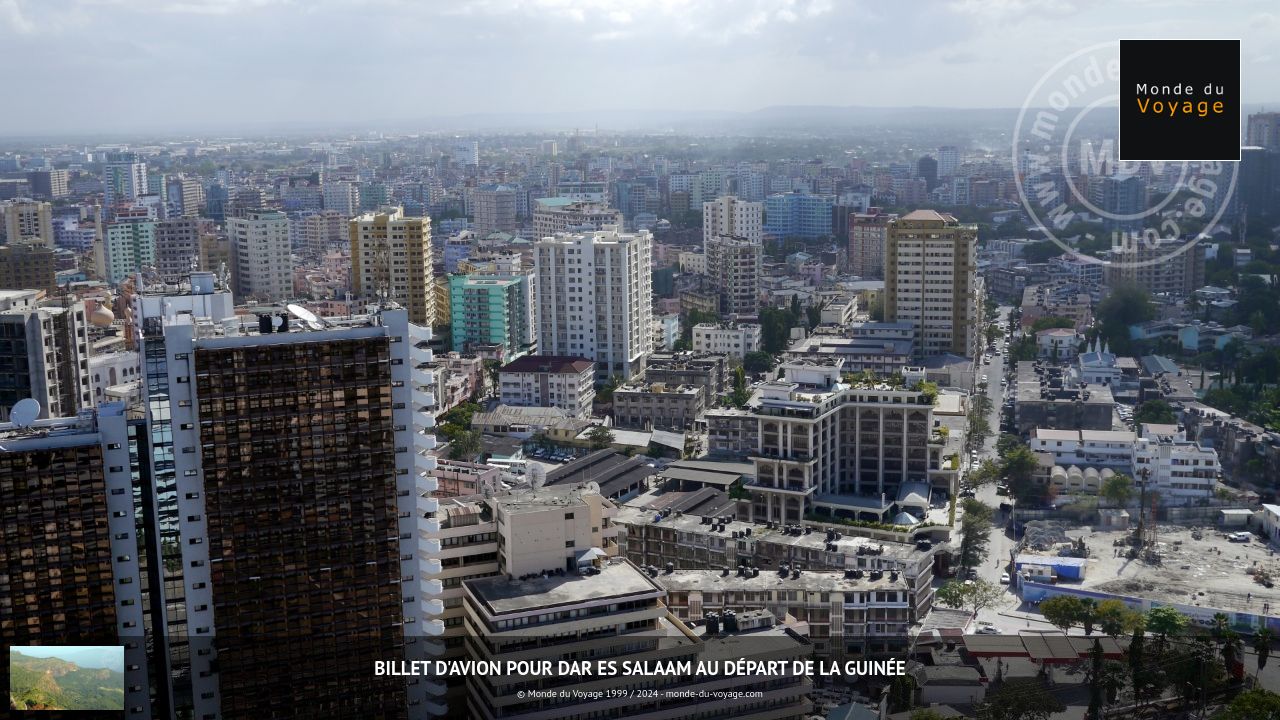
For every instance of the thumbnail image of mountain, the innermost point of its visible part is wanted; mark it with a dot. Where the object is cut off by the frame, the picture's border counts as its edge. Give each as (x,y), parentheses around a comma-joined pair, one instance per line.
(57,679)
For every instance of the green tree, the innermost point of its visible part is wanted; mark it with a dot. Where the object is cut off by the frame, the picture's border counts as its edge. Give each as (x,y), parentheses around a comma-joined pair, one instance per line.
(1127,304)
(757,362)
(1154,411)
(1097,693)
(1018,468)
(972,594)
(876,309)
(975,532)
(465,445)
(1166,622)
(1256,704)
(1020,699)
(1262,646)
(1115,618)
(1006,443)
(739,396)
(1050,322)
(1063,611)
(605,392)
(987,472)
(1118,489)
(600,437)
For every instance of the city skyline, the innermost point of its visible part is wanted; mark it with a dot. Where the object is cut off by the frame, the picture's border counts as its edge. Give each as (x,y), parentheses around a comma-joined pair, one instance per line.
(210,58)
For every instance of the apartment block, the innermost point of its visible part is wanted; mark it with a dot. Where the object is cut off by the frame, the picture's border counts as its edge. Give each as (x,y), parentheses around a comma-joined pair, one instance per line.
(868,236)
(567,383)
(727,216)
(177,248)
(262,264)
(931,281)
(1160,268)
(489,315)
(494,209)
(559,215)
(27,221)
(595,299)
(732,340)
(28,267)
(391,258)
(734,266)
(658,406)
(44,354)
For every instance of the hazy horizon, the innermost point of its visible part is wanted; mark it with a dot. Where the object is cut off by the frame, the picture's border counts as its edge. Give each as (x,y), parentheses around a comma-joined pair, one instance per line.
(110,657)
(147,66)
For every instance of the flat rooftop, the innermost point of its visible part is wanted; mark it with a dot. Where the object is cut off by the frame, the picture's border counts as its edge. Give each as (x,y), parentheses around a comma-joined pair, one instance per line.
(617,580)
(770,579)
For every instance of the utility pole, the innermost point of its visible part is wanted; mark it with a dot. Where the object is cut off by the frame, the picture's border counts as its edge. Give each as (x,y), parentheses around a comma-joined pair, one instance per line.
(1142,505)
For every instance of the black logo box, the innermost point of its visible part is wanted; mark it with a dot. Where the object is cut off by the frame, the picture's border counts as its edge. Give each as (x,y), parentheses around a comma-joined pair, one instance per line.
(1189,65)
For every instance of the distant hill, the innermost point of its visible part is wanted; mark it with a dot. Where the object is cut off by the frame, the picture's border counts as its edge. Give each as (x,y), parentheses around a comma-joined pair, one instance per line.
(55,684)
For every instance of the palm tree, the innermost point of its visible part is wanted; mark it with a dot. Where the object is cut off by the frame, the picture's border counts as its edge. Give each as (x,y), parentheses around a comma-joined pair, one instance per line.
(1232,649)
(1262,645)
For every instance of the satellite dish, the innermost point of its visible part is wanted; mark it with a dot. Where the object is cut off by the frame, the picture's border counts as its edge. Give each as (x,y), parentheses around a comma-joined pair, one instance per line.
(25,412)
(591,488)
(307,317)
(277,321)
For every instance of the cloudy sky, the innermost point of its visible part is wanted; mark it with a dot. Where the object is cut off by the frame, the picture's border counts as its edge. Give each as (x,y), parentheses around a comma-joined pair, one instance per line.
(147,65)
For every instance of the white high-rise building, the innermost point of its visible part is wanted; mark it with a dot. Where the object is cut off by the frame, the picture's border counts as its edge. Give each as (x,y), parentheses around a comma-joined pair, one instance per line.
(262,266)
(948,161)
(123,180)
(344,197)
(730,216)
(595,297)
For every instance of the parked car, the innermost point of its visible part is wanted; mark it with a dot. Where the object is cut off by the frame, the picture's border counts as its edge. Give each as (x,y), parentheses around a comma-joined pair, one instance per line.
(1004,578)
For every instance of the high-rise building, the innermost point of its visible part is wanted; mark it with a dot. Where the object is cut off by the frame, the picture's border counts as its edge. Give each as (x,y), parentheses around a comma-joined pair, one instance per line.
(49,184)
(732,217)
(948,161)
(1160,267)
(489,315)
(127,248)
(466,152)
(28,267)
(124,178)
(342,197)
(177,247)
(70,563)
(27,221)
(494,209)
(931,281)
(378,242)
(291,470)
(1264,131)
(595,299)
(1122,200)
(1258,183)
(184,196)
(262,265)
(557,215)
(868,233)
(567,383)
(734,266)
(797,214)
(320,231)
(45,355)
(927,168)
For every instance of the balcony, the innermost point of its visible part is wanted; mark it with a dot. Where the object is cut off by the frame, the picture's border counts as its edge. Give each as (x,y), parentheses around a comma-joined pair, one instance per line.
(427,504)
(433,628)
(434,688)
(428,483)
(436,709)
(421,355)
(430,526)
(426,463)
(424,420)
(424,440)
(435,606)
(419,333)
(431,566)
(431,547)
(435,649)
(424,398)
(423,376)
(431,587)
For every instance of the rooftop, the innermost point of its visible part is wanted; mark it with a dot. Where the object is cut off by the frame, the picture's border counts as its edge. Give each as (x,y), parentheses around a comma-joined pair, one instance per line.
(616,580)
(769,579)
(548,363)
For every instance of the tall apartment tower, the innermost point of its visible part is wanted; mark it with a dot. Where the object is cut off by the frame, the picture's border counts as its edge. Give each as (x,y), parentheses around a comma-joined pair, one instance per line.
(291,470)
(1160,268)
(262,267)
(931,280)
(378,240)
(70,556)
(494,209)
(868,233)
(727,215)
(184,196)
(27,221)
(342,197)
(28,267)
(124,178)
(49,184)
(45,355)
(1264,131)
(595,298)
(734,265)
(948,161)
(127,248)
(177,247)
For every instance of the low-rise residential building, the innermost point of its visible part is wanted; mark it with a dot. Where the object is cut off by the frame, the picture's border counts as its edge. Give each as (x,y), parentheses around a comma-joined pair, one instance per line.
(549,381)
(1174,466)
(731,432)
(708,371)
(726,339)
(1044,397)
(1057,343)
(1086,448)
(660,406)
(1057,300)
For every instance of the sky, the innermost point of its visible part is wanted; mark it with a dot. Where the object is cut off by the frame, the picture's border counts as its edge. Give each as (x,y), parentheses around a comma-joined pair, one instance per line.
(87,656)
(148,65)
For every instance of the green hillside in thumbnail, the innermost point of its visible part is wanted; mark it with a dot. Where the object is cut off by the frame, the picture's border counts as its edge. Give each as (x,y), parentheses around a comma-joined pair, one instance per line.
(55,684)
